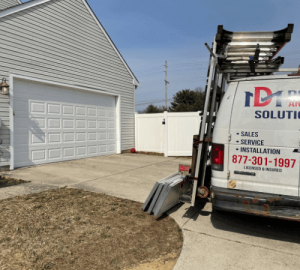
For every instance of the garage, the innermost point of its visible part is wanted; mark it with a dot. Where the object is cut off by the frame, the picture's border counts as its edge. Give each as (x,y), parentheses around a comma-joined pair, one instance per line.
(56,123)
(69,92)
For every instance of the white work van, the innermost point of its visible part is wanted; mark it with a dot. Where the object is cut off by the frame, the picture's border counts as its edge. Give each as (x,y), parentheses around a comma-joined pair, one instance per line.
(255,154)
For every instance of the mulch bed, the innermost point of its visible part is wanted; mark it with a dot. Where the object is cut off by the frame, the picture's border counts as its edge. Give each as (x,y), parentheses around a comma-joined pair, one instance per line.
(76,229)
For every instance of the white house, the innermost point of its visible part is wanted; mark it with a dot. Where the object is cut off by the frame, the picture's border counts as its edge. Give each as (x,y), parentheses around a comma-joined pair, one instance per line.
(71,93)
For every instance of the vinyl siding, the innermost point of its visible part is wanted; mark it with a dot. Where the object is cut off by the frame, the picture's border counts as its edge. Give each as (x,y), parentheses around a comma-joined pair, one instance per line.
(4,4)
(60,41)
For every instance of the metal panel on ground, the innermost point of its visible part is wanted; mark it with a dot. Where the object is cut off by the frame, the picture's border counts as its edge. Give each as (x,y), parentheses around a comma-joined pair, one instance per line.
(165,194)
(154,191)
(170,195)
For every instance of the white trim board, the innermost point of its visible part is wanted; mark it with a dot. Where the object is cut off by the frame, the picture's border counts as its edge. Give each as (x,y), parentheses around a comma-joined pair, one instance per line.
(11,109)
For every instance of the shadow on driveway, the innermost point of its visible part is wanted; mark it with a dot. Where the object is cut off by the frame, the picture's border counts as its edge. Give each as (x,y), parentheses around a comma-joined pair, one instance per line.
(248,225)
(268,228)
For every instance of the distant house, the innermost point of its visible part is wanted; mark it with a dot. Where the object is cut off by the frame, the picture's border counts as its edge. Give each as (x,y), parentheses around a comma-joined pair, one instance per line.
(71,93)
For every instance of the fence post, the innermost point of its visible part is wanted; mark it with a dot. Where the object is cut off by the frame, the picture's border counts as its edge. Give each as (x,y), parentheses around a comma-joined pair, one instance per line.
(166,133)
(199,120)
(136,145)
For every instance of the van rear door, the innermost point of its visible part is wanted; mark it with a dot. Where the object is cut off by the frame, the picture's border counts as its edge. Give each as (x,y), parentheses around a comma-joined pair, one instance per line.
(264,144)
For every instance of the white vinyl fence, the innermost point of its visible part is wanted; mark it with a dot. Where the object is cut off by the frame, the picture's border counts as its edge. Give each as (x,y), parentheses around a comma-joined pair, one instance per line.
(168,133)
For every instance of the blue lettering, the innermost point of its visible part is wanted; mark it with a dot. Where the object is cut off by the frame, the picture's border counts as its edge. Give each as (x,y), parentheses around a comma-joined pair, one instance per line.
(257,114)
(292,93)
(272,117)
(283,115)
(289,114)
(266,114)
(248,96)
(278,115)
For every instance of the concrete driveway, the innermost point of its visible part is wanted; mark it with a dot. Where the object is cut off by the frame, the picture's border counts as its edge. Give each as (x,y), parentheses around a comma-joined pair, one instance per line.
(212,240)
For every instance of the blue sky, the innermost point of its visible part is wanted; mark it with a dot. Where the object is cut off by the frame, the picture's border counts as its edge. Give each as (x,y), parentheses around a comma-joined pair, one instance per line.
(147,33)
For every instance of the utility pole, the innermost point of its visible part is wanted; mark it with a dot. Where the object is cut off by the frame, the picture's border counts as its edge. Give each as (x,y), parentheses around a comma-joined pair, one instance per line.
(166,86)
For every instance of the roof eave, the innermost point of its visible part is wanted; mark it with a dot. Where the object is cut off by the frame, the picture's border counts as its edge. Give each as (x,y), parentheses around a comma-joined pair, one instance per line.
(21,7)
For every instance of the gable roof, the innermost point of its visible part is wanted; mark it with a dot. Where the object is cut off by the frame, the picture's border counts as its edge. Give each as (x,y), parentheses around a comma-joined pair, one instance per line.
(32,3)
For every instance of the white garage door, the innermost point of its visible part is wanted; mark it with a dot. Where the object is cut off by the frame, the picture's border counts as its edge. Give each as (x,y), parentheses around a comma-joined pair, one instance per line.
(54,124)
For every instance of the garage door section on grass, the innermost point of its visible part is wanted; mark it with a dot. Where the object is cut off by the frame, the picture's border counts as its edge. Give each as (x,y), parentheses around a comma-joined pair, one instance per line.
(53,123)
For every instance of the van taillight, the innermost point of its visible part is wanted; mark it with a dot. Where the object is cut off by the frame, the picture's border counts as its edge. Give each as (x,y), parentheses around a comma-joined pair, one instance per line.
(217,157)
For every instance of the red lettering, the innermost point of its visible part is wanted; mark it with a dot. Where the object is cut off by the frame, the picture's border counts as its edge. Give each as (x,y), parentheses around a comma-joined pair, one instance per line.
(292,104)
(257,102)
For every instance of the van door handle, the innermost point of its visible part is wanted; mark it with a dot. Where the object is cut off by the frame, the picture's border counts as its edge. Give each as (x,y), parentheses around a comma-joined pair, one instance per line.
(297,150)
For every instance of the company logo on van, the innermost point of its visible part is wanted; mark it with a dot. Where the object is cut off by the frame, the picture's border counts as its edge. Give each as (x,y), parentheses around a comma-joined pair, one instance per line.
(262,102)
(293,97)
(263,96)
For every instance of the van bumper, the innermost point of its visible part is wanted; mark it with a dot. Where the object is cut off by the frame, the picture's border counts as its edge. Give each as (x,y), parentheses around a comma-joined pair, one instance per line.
(255,203)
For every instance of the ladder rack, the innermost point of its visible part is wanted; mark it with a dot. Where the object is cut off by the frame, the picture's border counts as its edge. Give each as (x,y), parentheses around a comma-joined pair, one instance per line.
(234,55)
(245,54)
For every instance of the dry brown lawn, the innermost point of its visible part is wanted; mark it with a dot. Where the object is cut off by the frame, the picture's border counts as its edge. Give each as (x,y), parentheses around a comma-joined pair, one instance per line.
(76,229)
(7,182)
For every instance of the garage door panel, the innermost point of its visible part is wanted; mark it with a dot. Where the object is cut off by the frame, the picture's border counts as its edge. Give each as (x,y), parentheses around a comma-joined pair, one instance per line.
(54,123)
(102,136)
(111,124)
(103,149)
(54,154)
(54,138)
(92,136)
(68,123)
(111,148)
(61,124)
(37,138)
(92,124)
(102,124)
(92,112)
(38,122)
(69,152)
(80,124)
(69,137)
(82,151)
(80,111)
(92,150)
(111,113)
(68,110)
(54,109)
(111,135)
(81,137)
(37,107)
(38,155)
(102,113)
